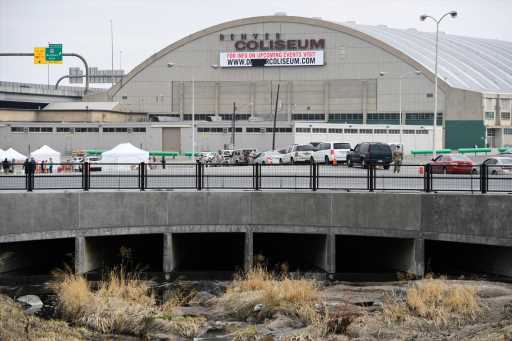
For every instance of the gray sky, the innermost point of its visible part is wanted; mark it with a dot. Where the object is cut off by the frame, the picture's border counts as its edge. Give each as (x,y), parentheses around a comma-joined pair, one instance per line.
(142,27)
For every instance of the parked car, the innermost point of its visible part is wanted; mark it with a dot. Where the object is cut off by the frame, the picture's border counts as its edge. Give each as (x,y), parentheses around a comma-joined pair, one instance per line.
(327,151)
(94,163)
(268,157)
(370,153)
(299,153)
(499,165)
(452,164)
(242,155)
(206,157)
(77,163)
(223,156)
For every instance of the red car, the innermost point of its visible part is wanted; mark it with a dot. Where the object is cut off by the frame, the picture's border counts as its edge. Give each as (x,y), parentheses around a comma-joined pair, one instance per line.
(452,164)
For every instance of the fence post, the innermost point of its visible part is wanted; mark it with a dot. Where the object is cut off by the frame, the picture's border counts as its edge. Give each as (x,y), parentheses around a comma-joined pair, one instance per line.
(427,178)
(317,175)
(142,176)
(199,176)
(369,178)
(256,179)
(28,179)
(483,178)
(86,176)
(313,167)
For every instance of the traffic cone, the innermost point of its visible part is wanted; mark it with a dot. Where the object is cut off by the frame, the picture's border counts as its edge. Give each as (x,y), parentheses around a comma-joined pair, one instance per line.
(333,157)
(421,170)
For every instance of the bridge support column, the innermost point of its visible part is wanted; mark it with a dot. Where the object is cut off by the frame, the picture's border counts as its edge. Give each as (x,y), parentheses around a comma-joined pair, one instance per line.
(80,256)
(248,250)
(417,265)
(330,247)
(169,264)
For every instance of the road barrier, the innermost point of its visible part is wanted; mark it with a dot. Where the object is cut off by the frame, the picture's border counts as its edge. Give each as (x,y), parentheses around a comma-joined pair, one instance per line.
(197,176)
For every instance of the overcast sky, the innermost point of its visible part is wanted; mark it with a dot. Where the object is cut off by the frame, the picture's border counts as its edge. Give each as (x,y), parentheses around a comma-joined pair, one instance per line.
(142,27)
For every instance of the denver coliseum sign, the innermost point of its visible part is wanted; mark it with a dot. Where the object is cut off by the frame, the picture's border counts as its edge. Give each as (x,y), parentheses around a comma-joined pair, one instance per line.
(270,50)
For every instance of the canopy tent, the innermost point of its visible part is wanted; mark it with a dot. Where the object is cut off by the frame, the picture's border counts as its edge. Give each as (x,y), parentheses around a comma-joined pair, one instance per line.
(11,154)
(124,153)
(45,153)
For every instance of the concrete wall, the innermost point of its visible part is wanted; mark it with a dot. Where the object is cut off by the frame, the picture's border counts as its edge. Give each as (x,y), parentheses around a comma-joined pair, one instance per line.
(412,218)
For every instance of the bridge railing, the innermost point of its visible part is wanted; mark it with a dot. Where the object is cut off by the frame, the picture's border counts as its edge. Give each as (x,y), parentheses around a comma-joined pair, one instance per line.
(311,177)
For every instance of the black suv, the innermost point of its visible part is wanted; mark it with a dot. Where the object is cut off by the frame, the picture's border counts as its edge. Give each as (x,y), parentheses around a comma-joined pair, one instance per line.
(370,153)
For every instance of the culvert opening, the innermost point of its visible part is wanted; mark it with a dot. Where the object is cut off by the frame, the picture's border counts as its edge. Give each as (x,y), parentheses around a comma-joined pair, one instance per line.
(143,252)
(38,257)
(373,255)
(456,259)
(208,251)
(291,252)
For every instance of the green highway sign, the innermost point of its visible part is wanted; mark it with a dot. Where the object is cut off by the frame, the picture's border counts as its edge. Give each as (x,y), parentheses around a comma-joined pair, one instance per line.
(54,54)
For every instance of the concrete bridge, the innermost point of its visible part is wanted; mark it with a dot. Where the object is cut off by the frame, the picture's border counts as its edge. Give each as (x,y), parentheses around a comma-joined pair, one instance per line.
(326,231)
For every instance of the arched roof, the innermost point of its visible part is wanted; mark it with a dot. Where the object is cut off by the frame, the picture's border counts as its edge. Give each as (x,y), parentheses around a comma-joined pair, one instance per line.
(477,64)
(482,65)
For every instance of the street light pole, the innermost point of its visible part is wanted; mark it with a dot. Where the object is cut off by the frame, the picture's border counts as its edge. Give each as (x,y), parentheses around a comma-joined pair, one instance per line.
(423,17)
(401,114)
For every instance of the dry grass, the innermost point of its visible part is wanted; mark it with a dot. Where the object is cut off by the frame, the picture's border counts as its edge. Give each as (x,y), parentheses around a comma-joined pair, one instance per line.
(258,286)
(249,333)
(435,301)
(187,326)
(122,304)
(16,325)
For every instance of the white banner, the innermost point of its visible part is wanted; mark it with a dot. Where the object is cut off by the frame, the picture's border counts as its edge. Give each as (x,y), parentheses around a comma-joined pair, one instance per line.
(272,58)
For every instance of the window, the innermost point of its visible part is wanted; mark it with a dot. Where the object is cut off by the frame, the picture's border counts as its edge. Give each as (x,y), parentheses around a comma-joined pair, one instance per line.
(394,131)
(320,130)
(34,129)
(40,129)
(121,130)
(324,146)
(422,132)
(423,118)
(505,116)
(346,118)
(365,131)
(489,115)
(197,117)
(279,130)
(237,130)
(210,130)
(139,130)
(491,132)
(302,130)
(63,130)
(380,131)
(80,130)
(17,129)
(124,97)
(375,118)
(254,130)
(507,131)
(350,131)
(335,131)
(308,117)
(408,132)
(108,130)
(341,146)
(238,117)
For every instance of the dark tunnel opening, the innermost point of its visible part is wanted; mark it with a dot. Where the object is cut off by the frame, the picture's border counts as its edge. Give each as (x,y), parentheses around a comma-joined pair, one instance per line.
(373,255)
(208,251)
(291,252)
(38,257)
(456,259)
(142,252)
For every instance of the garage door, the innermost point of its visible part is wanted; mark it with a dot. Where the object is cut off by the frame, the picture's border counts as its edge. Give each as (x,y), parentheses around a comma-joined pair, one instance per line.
(171,139)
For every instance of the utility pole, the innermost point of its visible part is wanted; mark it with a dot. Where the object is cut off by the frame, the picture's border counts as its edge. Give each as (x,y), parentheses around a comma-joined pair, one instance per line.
(233,120)
(112,52)
(275,120)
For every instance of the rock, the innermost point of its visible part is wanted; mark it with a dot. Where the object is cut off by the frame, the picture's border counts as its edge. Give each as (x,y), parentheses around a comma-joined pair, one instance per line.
(201,298)
(190,311)
(32,300)
(258,307)
(283,322)
(163,337)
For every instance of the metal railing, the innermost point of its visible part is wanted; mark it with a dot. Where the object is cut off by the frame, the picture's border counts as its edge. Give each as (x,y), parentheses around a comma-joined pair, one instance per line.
(312,177)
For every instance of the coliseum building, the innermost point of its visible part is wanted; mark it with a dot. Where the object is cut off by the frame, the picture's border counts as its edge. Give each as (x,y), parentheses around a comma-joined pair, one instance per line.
(337,82)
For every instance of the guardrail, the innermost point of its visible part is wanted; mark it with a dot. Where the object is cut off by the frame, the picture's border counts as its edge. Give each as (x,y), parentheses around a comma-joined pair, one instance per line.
(157,176)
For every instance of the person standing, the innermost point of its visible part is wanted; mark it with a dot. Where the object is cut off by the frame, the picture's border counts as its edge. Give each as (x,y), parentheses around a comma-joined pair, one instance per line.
(42,166)
(398,156)
(13,163)
(163,162)
(5,166)
(50,165)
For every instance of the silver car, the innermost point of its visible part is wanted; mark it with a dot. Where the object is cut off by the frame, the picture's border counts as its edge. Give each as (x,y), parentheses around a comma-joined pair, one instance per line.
(499,165)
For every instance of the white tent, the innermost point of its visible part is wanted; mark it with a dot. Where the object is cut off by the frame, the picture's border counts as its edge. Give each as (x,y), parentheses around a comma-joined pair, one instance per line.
(12,154)
(45,153)
(125,153)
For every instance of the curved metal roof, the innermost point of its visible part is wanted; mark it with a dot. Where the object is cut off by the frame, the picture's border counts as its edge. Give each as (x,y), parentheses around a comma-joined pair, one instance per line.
(477,64)
(482,65)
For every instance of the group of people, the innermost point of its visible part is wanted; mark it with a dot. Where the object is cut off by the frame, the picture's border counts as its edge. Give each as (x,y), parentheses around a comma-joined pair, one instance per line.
(153,162)
(8,166)
(32,167)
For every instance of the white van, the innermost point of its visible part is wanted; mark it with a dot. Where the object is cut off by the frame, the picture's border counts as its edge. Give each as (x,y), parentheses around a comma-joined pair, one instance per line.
(327,151)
